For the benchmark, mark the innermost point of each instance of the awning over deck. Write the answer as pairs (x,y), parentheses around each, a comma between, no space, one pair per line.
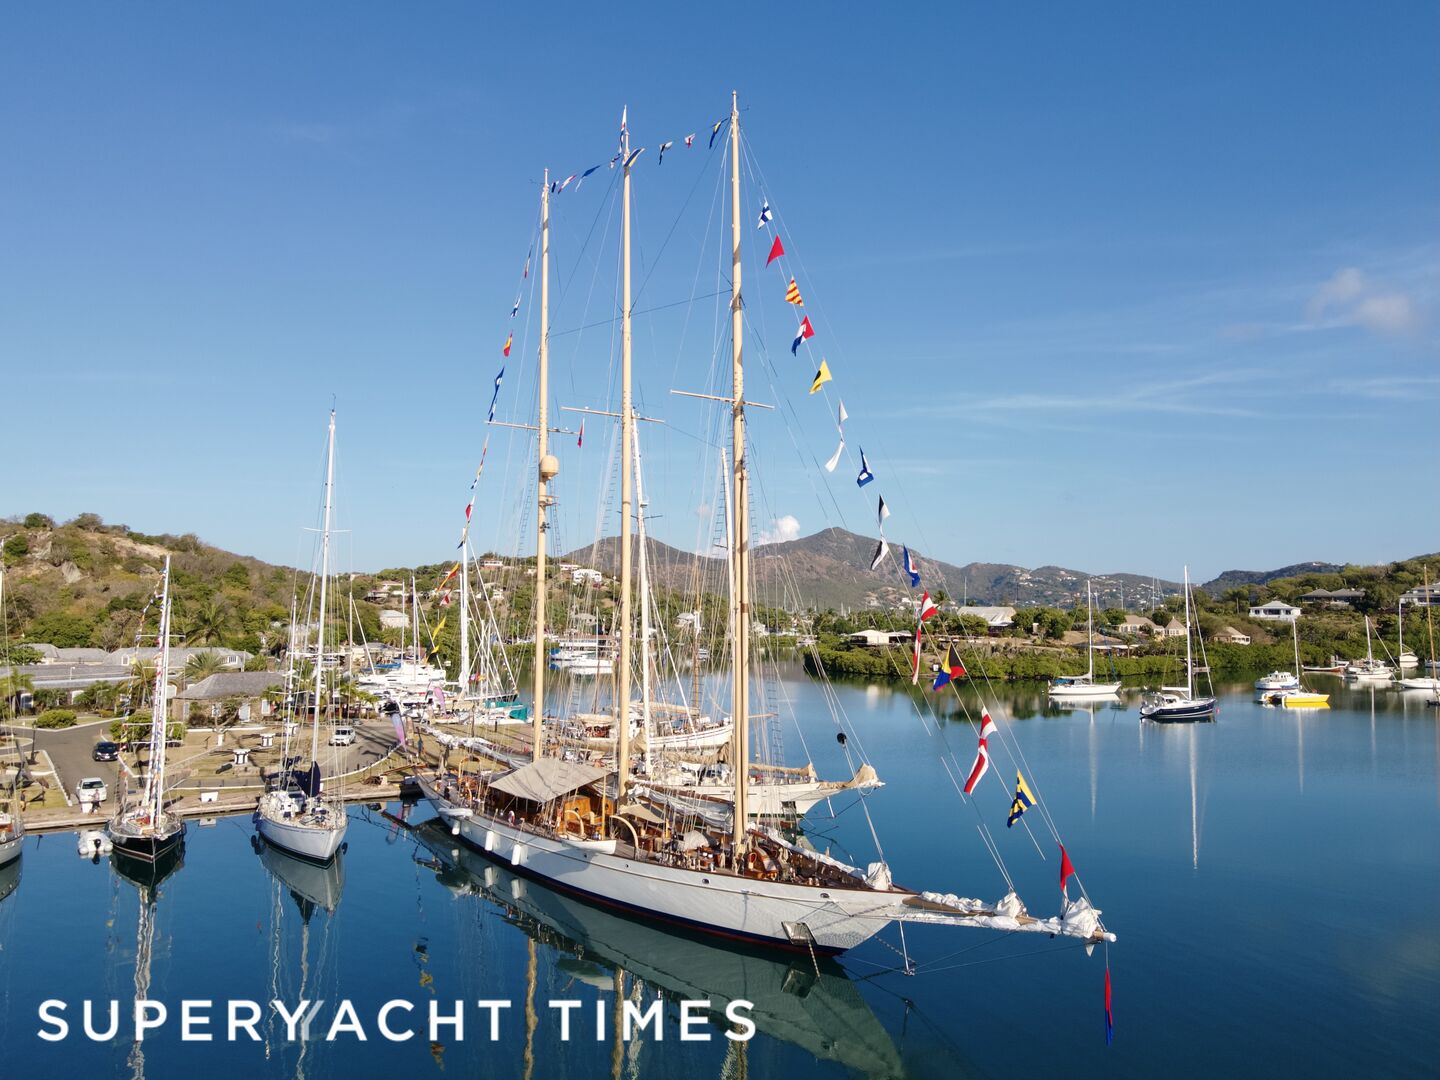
(546,779)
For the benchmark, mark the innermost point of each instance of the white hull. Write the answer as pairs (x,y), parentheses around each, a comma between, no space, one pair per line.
(1084,690)
(301,836)
(735,907)
(1422,683)
(1278,680)
(10,849)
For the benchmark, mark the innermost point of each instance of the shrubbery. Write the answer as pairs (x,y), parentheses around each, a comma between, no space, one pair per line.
(56,718)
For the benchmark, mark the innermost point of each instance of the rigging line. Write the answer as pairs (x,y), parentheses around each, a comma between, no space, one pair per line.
(699,175)
(611,203)
(643,311)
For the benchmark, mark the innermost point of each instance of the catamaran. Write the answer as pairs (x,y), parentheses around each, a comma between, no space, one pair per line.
(298,815)
(1074,686)
(144,828)
(1180,702)
(586,831)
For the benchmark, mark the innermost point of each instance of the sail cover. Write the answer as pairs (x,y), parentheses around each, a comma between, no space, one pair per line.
(546,779)
(309,780)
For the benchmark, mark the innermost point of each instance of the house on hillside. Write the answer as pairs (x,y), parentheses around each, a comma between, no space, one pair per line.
(1173,629)
(391,619)
(1337,598)
(996,618)
(879,638)
(206,699)
(1421,596)
(1228,635)
(230,659)
(583,575)
(1275,611)
(49,654)
(1136,626)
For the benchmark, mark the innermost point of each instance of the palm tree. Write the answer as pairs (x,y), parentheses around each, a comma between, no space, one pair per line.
(202,665)
(142,678)
(11,687)
(209,620)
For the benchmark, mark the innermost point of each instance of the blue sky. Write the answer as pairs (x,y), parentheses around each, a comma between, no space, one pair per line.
(1115,290)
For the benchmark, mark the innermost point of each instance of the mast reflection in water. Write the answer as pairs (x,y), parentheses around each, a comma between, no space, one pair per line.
(796,1000)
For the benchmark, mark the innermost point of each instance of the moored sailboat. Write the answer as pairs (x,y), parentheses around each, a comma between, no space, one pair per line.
(1172,703)
(298,815)
(144,828)
(1077,686)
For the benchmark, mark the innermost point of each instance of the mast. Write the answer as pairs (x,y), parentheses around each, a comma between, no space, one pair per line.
(154,794)
(627,439)
(1090,627)
(739,702)
(464,618)
(548,468)
(645,655)
(324,581)
(1189,664)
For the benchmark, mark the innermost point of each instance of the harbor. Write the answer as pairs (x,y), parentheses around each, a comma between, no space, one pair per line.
(1175,818)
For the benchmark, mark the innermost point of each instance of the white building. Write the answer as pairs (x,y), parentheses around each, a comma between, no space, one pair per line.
(390,619)
(586,576)
(878,638)
(1275,610)
(996,618)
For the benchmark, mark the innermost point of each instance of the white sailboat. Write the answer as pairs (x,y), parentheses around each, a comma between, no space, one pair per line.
(549,819)
(144,828)
(1428,683)
(1085,686)
(1369,669)
(1171,703)
(299,816)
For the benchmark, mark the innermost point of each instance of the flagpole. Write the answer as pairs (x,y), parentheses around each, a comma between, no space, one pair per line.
(548,468)
(741,513)
(627,476)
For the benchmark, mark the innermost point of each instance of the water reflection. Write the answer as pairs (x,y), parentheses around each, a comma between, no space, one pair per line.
(311,885)
(146,875)
(299,969)
(813,1006)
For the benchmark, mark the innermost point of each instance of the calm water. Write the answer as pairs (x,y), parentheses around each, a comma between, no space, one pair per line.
(1274,878)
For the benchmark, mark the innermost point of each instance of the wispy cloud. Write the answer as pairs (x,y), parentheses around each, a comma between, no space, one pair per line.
(1388,387)
(1350,298)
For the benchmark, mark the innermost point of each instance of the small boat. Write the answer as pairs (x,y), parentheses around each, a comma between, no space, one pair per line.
(145,830)
(1278,680)
(1369,669)
(1085,686)
(1336,666)
(1297,697)
(1179,703)
(93,843)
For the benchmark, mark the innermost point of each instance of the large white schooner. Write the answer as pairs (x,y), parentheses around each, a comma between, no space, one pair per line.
(587,832)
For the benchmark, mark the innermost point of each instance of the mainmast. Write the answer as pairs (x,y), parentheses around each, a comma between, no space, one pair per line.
(154,795)
(1189,664)
(324,581)
(627,438)
(1090,627)
(548,468)
(739,703)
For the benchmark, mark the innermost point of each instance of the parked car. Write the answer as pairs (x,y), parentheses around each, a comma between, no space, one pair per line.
(92,789)
(342,736)
(106,751)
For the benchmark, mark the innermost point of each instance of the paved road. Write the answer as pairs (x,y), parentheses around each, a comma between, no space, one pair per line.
(71,748)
